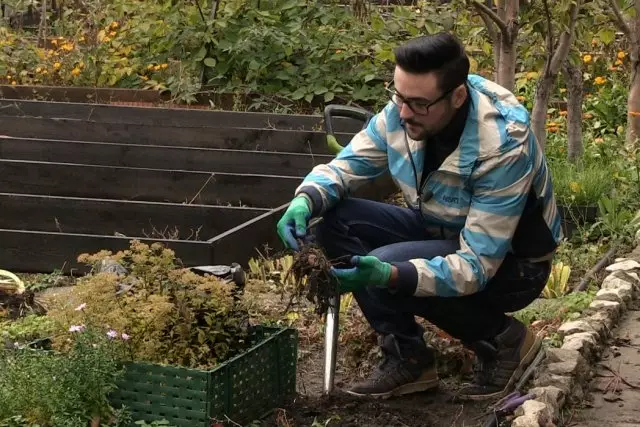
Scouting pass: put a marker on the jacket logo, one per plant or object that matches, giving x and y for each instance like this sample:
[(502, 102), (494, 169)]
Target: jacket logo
[(451, 200)]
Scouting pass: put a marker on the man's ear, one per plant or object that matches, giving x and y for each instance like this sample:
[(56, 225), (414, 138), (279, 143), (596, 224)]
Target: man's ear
[(459, 96)]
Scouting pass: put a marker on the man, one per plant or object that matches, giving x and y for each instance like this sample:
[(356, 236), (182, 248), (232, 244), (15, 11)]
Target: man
[(478, 236)]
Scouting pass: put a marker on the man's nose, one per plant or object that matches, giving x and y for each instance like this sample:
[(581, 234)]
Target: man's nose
[(405, 112)]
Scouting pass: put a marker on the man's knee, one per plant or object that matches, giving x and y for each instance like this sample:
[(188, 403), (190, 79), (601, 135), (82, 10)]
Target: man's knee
[(335, 219)]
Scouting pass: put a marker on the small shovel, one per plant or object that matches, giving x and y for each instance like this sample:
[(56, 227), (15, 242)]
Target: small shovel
[(331, 330)]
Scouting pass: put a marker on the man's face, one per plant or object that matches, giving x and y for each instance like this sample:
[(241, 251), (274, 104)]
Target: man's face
[(421, 90)]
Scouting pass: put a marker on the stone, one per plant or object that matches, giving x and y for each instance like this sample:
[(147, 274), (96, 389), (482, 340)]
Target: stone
[(539, 411), (626, 286), (574, 326), (552, 396), (613, 308), (567, 363), (620, 259), (555, 355), (525, 421), (620, 295), (624, 266), (546, 379), (601, 322), (619, 279), (585, 343)]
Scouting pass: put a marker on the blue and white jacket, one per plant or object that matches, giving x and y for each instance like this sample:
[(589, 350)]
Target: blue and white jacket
[(494, 192)]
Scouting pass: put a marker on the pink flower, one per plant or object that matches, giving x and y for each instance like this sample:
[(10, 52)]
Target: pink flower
[(125, 337), (76, 328), (112, 334), (81, 306)]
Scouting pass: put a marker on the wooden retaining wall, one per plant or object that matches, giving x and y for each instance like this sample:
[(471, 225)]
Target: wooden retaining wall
[(78, 177)]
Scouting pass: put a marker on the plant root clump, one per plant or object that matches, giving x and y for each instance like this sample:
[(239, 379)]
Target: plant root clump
[(312, 270)]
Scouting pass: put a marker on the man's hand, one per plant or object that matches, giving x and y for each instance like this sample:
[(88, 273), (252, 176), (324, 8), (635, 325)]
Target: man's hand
[(295, 221), (367, 271)]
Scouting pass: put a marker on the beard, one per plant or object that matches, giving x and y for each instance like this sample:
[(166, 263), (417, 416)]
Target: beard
[(417, 131)]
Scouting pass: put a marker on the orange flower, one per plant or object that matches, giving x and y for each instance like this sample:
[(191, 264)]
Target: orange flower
[(520, 98), (587, 116), (587, 58), (599, 80), (563, 113), (621, 55)]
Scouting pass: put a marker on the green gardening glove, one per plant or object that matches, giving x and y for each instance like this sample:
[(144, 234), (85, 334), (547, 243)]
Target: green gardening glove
[(367, 271), (294, 222)]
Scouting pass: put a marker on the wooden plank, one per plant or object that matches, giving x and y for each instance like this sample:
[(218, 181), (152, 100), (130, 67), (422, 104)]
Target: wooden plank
[(147, 98), (227, 138), (248, 240), (79, 94), (42, 252), (160, 157), (107, 217), (171, 116), (173, 186)]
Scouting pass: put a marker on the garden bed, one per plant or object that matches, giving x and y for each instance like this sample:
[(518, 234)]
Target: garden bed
[(242, 389)]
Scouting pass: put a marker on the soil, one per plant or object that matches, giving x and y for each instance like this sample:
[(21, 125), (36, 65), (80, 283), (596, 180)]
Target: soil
[(431, 408), (614, 392)]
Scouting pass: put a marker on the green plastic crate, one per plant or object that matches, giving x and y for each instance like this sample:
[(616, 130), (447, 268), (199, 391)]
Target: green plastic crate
[(245, 388)]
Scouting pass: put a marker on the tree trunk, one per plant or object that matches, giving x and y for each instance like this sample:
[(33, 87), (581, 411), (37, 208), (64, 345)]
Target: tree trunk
[(507, 65), (553, 63), (632, 31), (573, 77), (633, 102), (504, 36), (508, 48), (539, 113)]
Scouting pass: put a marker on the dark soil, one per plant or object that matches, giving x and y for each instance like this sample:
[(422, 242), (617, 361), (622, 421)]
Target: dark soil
[(431, 408)]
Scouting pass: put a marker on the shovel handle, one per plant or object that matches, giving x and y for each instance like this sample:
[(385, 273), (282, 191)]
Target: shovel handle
[(333, 110)]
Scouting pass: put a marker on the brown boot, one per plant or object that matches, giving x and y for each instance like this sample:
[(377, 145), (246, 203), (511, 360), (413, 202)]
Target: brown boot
[(405, 371), (501, 362)]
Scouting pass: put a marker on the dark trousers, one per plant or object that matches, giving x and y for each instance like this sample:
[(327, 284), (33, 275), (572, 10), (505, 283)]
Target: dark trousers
[(395, 234)]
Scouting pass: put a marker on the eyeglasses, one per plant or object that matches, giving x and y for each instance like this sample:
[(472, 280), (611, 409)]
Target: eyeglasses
[(419, 106)]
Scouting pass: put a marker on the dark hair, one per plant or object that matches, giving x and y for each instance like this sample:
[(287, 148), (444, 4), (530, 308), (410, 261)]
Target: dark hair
[(441, 53)]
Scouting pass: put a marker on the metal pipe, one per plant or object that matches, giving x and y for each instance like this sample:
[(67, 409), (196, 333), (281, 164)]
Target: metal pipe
[(331, 343)]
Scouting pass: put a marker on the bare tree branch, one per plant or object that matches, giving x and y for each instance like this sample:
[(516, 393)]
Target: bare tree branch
[(482, 8), (565, 39), (549, 38), (491, 30), (622, 24)]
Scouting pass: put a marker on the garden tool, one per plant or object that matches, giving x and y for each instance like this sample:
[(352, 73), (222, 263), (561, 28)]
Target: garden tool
[(505, 406), (332, 315), (332, 111), (229, 273), (512, 401)]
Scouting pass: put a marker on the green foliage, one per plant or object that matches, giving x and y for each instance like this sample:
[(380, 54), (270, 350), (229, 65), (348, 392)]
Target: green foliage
[(168, 314), (45, 281), (60, 389), (582, 184), (563, 308), (616, 222), (26, 329), (558, 280)]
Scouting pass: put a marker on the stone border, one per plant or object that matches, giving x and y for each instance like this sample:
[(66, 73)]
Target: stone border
[(566, 370)]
